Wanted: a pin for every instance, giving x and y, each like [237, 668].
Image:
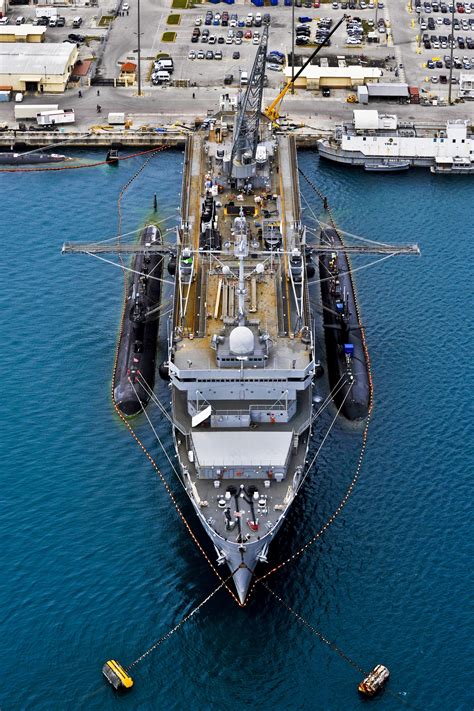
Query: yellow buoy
[372, 683]
[116, 675]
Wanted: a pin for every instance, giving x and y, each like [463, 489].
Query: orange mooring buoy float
[375, 681]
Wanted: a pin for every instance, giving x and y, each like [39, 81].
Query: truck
[46, 12]
[54, 118]
[414, 94]
[30, 111]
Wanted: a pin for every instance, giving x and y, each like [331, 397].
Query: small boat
[12, 158]
[387, 166]
[112, 156]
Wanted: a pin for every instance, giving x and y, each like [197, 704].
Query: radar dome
[241, 341]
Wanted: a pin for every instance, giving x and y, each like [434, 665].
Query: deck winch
[116, 675]
[375, 681]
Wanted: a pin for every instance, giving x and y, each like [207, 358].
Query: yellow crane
[273, 111]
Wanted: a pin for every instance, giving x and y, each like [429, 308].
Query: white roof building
[22, 33]
[342, 77]
[36, 67]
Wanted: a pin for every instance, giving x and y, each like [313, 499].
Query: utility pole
[451, 55]
[139, 51]
[292, 46]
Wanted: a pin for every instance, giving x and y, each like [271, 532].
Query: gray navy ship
[241, 357]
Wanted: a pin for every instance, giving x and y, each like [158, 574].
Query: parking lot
[399, 49]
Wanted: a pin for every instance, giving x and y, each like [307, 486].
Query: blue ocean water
[96, 563]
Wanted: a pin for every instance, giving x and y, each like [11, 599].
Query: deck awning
[238, 449]
[443, 160]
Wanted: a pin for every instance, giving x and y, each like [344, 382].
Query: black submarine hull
[346, 359]
[136, 357]
[30, 158]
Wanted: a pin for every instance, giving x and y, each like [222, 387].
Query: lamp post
[451, 55]
[292, 46]
[139, 67]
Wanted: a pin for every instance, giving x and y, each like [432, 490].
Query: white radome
[241, 341]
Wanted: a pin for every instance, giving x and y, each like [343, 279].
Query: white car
[4, 20]
[192, 54]
[200, 54]
[256, 40]
[229, 40]
[125, 6]
[198, 21]
[233, 23]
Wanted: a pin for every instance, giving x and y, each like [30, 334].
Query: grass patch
[173, 19]
[179, 4]
[105, 20]
[168, 37]
[162, 55]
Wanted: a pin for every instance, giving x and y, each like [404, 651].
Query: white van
[160, 77]
[166, 64]
[77, 21]
[20, 20]
[244, 78]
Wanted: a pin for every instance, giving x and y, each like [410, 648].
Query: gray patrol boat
[240, 353]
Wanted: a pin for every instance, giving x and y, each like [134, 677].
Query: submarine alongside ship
[345, 354]
[136, 356]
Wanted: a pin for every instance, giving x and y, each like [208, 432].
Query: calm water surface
[96, 563]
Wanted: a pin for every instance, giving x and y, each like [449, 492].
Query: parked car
[61, 22]
[326, 91]
[236, 55]
[209, 54]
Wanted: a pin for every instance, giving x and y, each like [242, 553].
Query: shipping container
[46, 12]
[116, 119]
[30, 111]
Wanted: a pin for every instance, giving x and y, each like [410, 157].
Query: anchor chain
[178, 625]
[355, 478]
[131, 429]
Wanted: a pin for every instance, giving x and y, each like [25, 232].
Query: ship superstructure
[241, 357]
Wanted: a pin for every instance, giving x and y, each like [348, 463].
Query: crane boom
[273, 111]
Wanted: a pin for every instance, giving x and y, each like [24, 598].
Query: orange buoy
[375, 681]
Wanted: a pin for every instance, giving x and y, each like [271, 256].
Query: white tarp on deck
[236, 449]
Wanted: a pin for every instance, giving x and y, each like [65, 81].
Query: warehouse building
[22, 33]
[37, 67]
[343, 77]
